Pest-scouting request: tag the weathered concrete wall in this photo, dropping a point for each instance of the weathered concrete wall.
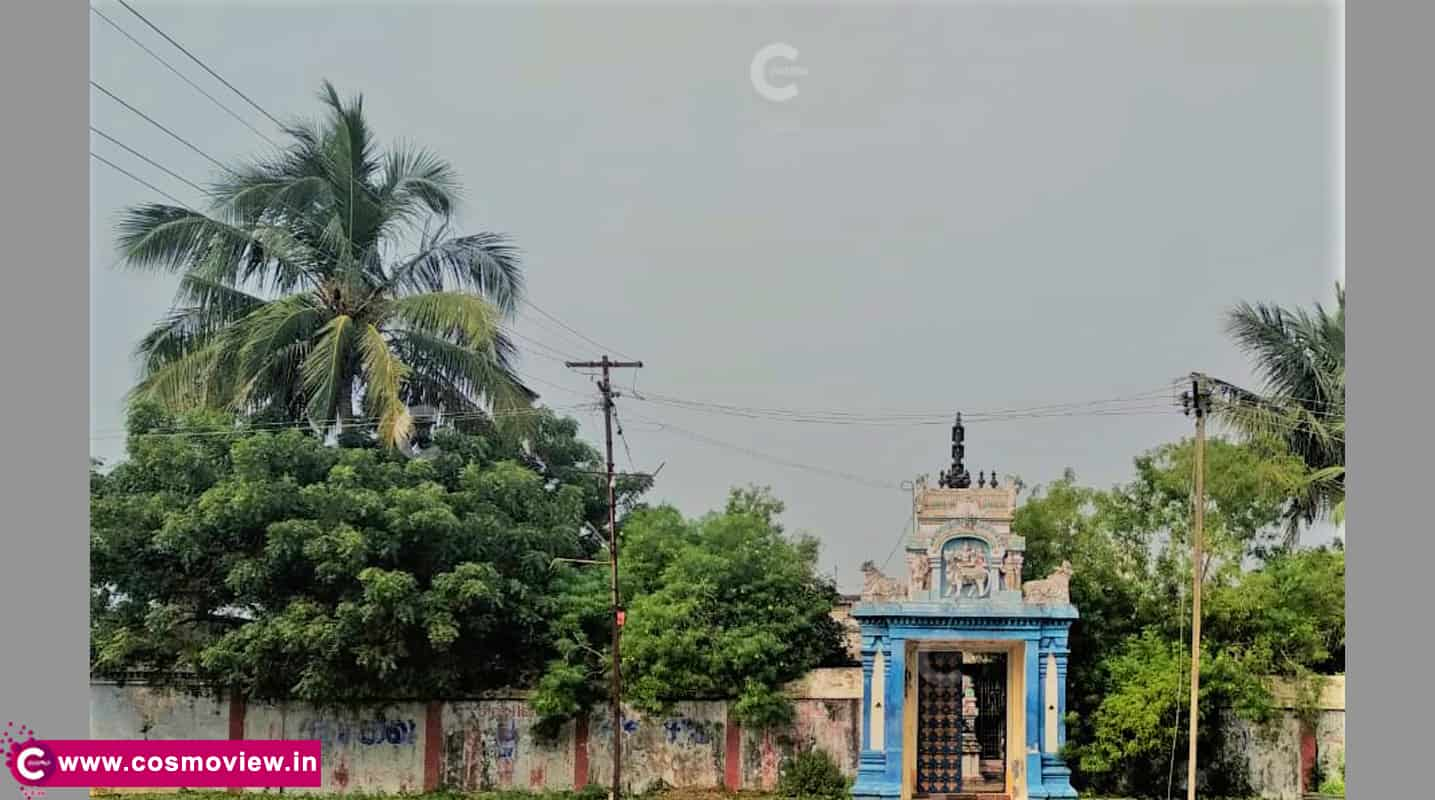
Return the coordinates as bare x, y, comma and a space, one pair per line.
682, 748
145, 712
491, 743
379, 748
832, 725
1279, 758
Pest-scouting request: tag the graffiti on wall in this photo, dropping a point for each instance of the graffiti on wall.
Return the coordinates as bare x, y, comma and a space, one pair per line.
367, 732
683, 730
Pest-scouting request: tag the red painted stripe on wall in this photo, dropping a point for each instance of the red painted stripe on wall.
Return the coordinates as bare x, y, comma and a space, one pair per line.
236, 722
580, 752
1307, 757
236, 715
433, 745
732, 757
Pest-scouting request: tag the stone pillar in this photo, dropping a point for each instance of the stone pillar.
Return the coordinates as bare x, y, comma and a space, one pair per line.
1056, 776
895, 659
1048, 698
867, 659
1032, 658
1062, 653
871, 761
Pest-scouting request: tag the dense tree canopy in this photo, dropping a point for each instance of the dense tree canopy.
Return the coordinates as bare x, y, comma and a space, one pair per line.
1266, 610
269, 561
723, 606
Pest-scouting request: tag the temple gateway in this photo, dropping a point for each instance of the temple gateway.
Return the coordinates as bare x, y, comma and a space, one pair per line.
964, 665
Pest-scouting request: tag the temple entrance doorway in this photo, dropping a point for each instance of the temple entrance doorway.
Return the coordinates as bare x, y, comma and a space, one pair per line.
963, 710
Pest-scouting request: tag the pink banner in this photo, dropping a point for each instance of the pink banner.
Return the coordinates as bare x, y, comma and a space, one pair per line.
174, 763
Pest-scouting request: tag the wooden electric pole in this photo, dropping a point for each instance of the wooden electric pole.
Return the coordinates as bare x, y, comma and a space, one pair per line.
1198, 401
605, 386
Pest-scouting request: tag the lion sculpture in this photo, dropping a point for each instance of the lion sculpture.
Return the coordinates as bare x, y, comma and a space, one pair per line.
1054, 589
879, 587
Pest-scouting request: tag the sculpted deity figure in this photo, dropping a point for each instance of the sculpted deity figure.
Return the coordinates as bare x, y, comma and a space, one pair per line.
968, 566
919, 571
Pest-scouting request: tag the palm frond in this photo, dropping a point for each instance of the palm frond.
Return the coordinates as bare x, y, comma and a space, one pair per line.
187, 381
486, 263
441, 368
326, 366
466, 319
1300, 357
384, 379
416, 179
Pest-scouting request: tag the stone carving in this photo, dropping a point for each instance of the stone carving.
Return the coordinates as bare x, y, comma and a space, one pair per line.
879, 587
968, 566
1011, 571
1054, 589
919, 571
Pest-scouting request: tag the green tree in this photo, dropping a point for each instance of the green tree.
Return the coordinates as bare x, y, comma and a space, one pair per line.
724, 606
295, 300
1129, 549
1300, 357
271, 562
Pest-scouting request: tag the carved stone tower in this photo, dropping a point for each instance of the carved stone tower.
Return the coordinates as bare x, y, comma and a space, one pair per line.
964, 667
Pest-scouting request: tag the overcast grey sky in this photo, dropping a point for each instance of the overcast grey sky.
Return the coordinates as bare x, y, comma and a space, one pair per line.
965, 207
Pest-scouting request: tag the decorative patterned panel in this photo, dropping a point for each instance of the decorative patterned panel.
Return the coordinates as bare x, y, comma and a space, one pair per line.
939, 724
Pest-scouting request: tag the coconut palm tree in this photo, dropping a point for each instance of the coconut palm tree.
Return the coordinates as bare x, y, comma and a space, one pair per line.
298, 296
1300, 357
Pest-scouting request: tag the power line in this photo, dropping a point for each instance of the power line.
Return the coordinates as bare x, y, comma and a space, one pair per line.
182, 76
136, 178
1121, 406
1141, 410
205, 66
155, 123
906, 526
574, 331
150, 161
868, 482
1137, 402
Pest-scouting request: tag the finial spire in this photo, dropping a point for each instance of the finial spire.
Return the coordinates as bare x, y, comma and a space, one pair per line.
957, 477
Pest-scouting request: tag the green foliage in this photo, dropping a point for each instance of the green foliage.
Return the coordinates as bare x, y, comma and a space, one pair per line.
1300, 357
271, 562
725, 606
288, 307
1334, 784
1266, 611
812, 775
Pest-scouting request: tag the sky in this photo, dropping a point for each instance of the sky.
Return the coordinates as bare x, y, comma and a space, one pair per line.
963, 207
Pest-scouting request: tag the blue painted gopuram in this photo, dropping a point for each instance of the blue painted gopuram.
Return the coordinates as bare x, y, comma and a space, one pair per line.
964, 666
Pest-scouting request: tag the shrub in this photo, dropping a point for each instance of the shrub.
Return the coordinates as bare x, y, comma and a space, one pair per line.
812, 774
1335, 784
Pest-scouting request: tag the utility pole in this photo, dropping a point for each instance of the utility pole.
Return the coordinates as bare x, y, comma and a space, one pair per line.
605, 386
1197, 400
